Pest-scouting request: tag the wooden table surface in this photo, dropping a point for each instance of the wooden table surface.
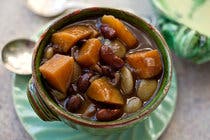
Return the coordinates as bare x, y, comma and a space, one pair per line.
191, 120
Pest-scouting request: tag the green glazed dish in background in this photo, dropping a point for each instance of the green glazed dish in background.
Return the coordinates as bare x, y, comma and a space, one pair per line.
185, 27
48, 110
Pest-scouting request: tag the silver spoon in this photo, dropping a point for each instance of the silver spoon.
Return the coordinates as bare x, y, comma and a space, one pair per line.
51, 8
17, 54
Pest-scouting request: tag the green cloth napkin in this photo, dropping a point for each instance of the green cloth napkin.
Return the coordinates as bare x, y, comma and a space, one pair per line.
184, 27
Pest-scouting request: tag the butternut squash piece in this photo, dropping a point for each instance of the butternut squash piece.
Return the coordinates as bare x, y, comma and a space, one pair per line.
147, 64
68, 37
89, 53
102, 91
122, 31
58, 71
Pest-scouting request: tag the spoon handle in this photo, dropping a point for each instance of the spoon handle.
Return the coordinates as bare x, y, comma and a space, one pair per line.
76, 4
82, 4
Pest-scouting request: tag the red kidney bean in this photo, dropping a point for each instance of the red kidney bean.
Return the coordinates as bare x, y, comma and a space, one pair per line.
110, 58
74, 103
108, 114
72, 89
106, 70
107, 31
83, 82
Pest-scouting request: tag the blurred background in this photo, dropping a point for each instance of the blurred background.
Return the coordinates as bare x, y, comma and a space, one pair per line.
192, 114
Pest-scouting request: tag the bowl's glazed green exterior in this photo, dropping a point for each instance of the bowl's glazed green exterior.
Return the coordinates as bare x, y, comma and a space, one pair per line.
48, 110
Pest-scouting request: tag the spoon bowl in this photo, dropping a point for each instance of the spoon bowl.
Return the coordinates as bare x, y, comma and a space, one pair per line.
17, 55
52, 8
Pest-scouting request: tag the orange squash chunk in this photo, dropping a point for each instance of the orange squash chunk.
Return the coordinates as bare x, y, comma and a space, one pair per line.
102, 91
89, 53
68, 37
122, 31
58, 71
147, 64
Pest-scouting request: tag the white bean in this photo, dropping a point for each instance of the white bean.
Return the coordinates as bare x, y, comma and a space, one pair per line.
126, 80
118, 48
132, 105
146, 89
49, 53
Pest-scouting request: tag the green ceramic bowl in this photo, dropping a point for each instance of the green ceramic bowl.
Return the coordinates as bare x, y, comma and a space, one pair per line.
48, 110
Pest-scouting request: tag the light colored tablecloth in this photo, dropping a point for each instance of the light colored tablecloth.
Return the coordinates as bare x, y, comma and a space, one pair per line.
191, 120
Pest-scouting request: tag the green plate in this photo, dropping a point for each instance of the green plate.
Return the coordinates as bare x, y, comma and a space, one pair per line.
185, 26
149, 129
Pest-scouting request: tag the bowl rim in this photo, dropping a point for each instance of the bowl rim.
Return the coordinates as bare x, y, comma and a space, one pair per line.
135, 117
